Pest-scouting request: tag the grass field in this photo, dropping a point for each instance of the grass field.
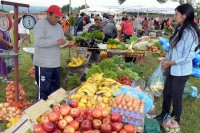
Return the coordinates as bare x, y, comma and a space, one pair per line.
190, 116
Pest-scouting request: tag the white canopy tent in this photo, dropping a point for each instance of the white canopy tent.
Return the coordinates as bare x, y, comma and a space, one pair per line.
147, 6
98, 9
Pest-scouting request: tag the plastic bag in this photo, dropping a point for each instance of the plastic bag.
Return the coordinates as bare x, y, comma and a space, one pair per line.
164, 42
190, 90
156, 82
196, 58
151, 126
141, 46
196, 71
170, 125
134, 93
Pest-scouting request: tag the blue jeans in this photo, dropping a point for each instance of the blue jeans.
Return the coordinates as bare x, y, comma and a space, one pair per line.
48, 80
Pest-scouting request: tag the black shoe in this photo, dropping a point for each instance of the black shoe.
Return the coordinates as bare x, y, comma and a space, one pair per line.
159, 117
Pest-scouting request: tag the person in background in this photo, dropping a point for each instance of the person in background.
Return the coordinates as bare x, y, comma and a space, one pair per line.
24, 34
79, 25
96, 25
5, 44
183, 44
146, 26
92, 19
95, 57
48, 38
86, 23
105, 20
126, 29
136, 25
110, 31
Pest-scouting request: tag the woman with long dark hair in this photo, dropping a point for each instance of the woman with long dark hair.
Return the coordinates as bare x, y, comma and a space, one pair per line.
183, 44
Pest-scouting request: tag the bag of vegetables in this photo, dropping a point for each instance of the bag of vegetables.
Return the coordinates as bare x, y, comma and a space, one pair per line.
156, 82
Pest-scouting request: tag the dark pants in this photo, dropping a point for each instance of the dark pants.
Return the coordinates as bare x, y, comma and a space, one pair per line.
126, 37
173, 92
48, 80
106, 38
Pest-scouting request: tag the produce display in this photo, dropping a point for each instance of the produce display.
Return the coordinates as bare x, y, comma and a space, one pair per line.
65, 119
116, 66
89, 39
130, 108
96, 91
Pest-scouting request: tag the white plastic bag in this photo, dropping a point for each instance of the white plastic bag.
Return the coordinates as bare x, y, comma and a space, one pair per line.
156, 82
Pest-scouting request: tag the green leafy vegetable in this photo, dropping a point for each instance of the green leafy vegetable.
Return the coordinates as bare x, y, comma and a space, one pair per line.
93, 69
73, 81
110, 74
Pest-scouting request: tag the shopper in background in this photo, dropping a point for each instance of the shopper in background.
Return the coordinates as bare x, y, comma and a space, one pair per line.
110, 31
126, 28
86, 23
79, 25
24, 34
48, 37
105, 20
136, 25
5, 44
178, 62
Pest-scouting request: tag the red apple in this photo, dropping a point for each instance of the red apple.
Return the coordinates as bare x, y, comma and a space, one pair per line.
104, 112
130, 128
115, 117
74, 124
38, 128
64, 109
106, 120
56, 131
122, 131
116, 126
89, 117
96, 113
89, 111
54, 116
56, 108
96, 123
79, 119
69, 129
68, 118
120, 119
60, 117
73, 104
44, 119
49, 126
75, 112
105, 128
113, 132
97, 131
86, 125
62, 124
89, 131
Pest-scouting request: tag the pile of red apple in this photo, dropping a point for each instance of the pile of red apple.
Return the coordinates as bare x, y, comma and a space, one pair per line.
65, 119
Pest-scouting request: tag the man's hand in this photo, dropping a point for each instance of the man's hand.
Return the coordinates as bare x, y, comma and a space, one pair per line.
61, 42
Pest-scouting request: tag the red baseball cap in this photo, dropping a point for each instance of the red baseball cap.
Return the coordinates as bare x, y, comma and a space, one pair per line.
55, 10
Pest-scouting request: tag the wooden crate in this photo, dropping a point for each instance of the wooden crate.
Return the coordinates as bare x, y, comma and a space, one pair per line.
37, 110
58, 95
21, 126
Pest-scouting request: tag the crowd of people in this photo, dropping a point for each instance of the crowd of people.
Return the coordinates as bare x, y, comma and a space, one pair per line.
49, 36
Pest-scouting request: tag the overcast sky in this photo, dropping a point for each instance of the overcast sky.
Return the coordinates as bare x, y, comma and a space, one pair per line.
74, 3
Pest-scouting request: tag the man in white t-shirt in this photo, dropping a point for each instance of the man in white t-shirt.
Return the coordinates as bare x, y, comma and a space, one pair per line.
24, 34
